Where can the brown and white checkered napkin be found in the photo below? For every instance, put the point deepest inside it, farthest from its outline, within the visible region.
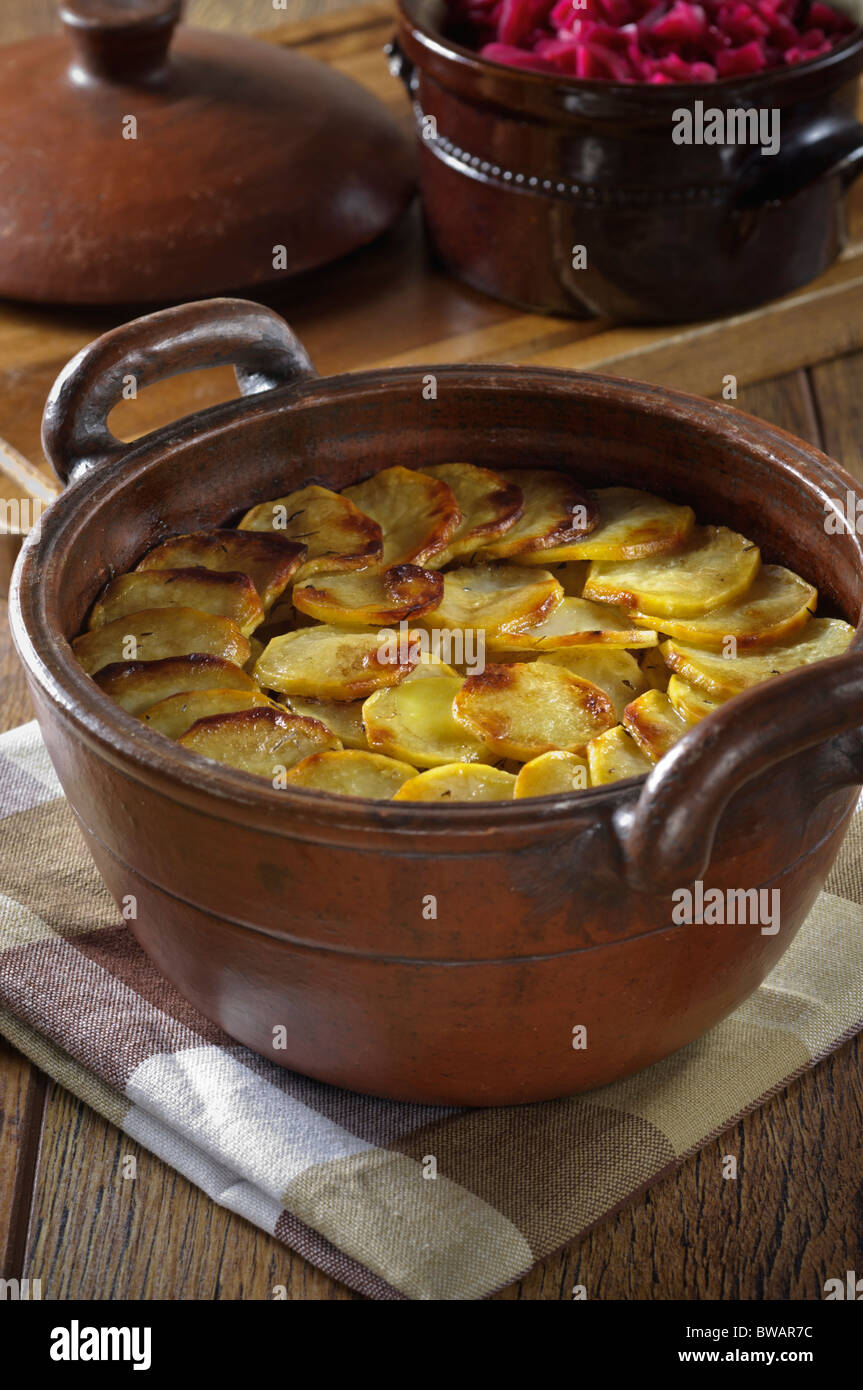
(341, 1178)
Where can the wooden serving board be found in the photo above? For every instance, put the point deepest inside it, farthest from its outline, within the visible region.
(389, 305)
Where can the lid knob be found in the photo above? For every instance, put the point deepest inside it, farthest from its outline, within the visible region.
(120, 40)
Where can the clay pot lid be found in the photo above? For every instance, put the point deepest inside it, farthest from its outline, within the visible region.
(138, 164)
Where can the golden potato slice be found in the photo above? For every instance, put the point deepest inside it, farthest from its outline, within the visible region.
(613, 756)
(820, 639)
(556, 512)
(417, 514)
(153, 633)
(615, 672)
(532, 708)
(172, 717)
(691, 703)
(654, 724)
(370, 598)
(415, 722)
(552, 774)
(336, 534)
(267, 742)
(226, 595)
(136, 685)
(632, 524)
(332, 663)
(351, 774)
(654, 669)
(270, 561)
(344, 718)
(494, 598)
(777, 603)
(459, 782)
(489, 506)
(716, 567)
(575, 622)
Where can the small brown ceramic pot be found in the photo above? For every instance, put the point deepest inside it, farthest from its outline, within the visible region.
(520, 169)
(434, 952)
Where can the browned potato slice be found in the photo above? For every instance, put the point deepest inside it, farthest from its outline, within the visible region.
(154, 633)
(491, 598)
(136, 685)
(331, 663)
(691, 703)
(654, 724)
(654, 669)
(615, 672)
(556, 512)
(226, 595)
(532, 708)
(417, 514)
(632, 524)
(370, 598)
(575, 622)
(716, 567)
(343, 717)
(336, 534)
(613, 756)
(489, 506)
(415, 722)
(777, 603)
(552, 774)
(459, 782)
(270, 561)
(351, 774)
(267, 742)
(172, 717)
(820, 639)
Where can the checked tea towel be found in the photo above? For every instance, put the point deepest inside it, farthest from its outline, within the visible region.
(338, 1177)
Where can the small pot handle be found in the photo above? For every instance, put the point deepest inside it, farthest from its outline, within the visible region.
(254, 340)
(822, 152)
(666, 837)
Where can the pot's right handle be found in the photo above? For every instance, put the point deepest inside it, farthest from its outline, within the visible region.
(666, 837)
(820, 152)
(254, 340)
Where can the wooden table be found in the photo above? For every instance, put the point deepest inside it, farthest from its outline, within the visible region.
(792, 1219)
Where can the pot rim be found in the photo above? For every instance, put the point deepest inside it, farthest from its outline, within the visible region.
(525, 82)
(123, 741)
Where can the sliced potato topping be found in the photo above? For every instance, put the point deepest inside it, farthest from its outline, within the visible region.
(691, 703)
(336, 534)
(654, 669)
(820, 639)
(459, 782)
(776, 604)
(332, 663)
(532, 708)
(344, 718)
(493, 598)
(615, 672)
(351, 774)
(417, 514)
(415, 722)
(552, 774)
(654, 724)
(227, 595)
(370, 598)
(172, 717)
(556, 512)
(136, 685)
(153, 633)
(488, 504)
(267, 742)
(575, 622)
(716, 567)
(632, 524)
(270, 561)
(613, 756)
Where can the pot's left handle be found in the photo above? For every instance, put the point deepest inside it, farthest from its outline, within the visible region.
(260, 346)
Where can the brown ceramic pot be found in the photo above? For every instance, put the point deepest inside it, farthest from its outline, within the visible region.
(424, 951)
(520, 168)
